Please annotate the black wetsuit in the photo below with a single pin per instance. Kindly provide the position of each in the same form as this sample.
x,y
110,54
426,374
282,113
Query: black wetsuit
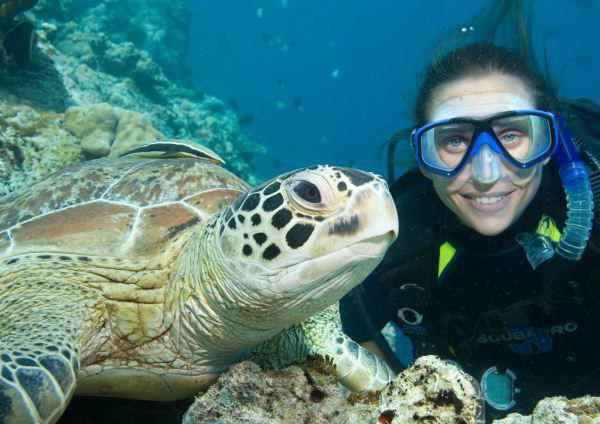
x,y
484,309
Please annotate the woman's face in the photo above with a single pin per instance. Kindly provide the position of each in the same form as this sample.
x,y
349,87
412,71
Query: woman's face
x,y
488,208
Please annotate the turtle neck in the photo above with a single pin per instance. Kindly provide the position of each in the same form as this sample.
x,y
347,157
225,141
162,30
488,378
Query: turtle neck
x,y
470,242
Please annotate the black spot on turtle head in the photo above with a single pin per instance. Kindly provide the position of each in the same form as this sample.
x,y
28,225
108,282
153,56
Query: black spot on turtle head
x,y
298,235
272,188
251,202
342,186
12,261
259,238
356,177
313,168
44,256
241,218
345,226
231,224
271,252
255,219
319,218
281,218
273,202
247,250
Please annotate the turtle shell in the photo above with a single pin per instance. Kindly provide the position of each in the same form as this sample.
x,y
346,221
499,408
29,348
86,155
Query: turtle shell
x,y
127,207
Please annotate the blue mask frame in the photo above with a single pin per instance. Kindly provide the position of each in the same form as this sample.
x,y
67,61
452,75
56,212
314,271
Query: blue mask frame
x,y
484,134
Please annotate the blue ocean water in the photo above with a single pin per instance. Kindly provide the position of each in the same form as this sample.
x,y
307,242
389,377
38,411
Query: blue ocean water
x,y
328,81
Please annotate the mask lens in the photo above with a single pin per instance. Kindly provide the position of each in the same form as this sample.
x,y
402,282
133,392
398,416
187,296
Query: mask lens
x,y
444,146
524,137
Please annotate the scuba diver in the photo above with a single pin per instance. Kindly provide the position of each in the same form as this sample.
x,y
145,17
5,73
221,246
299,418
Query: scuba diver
x,y
496,263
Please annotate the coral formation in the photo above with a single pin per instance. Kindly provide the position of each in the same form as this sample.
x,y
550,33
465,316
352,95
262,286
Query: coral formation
x,y
110,131
560,410
33,143
431,390
97,87
246,394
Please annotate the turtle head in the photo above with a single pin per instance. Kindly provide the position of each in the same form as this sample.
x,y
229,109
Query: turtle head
x,y
310,235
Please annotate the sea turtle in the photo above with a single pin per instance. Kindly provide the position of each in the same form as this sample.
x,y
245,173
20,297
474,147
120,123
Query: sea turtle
x,y
145,278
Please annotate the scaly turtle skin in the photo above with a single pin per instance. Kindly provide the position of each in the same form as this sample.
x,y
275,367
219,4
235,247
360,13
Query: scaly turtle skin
x,y
146,278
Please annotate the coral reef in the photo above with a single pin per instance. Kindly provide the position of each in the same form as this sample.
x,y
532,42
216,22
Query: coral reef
x,y
431,390
156,27
33,143
96,87
560,410
247,394
105,130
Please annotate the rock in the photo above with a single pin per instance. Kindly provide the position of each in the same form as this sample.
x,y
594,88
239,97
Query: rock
x,y
246,394
431,390
133,130
95,126
33,143
105,130
559,410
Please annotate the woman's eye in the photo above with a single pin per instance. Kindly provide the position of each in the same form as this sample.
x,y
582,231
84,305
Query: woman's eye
x,y
510,137
455,142
308,191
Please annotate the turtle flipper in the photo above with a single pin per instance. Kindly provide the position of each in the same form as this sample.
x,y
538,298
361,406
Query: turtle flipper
x,y
40,328
357,368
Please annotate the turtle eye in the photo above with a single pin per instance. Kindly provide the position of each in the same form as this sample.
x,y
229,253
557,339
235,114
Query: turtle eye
x,y
307,191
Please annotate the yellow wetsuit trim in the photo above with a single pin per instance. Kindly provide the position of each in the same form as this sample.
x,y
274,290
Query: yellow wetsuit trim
x,y
547,227
447,252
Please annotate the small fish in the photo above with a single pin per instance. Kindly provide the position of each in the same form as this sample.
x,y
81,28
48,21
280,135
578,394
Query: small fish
x,y
279,105
233,103
259,12
266,38
226,43
246,119
216,108
335,73
298,104
199,95
582,60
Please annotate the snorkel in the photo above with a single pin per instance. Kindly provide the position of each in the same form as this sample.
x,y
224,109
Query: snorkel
x,y
580,206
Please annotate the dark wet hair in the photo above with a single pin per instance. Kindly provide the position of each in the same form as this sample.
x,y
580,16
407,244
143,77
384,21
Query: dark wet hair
x,y
477,60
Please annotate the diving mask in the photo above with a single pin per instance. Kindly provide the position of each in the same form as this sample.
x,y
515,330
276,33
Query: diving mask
x,y
522,138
